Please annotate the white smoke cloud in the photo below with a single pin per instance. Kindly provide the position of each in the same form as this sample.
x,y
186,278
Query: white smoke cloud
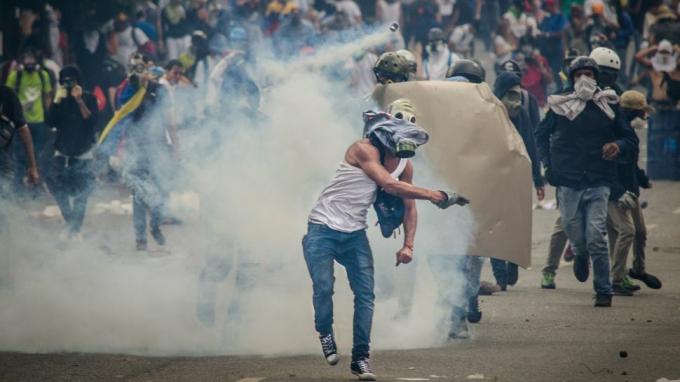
x,y
240,256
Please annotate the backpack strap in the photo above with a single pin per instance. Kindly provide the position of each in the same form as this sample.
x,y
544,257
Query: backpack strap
x,y
20,75
17,83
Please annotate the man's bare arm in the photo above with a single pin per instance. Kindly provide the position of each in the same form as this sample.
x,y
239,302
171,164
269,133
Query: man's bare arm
x,y
25,135
643,56
368,159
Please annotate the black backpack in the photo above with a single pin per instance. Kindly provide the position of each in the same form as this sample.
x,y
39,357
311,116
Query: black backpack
x,y
672,87
389,208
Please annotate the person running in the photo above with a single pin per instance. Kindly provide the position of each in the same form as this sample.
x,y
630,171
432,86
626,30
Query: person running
x,y
376,164
581,135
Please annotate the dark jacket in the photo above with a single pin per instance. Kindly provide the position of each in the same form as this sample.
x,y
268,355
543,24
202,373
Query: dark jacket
x,y
75,134
630,177
524,126
572,150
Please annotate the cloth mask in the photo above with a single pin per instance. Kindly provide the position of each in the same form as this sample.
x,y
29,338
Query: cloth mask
x,y
394,134
571,105
585,88
664,62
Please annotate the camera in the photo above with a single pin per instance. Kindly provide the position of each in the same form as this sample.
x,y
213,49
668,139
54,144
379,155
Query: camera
x,y
69,84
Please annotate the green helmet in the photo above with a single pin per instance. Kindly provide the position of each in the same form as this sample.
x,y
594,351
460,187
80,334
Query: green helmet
x,y
391,67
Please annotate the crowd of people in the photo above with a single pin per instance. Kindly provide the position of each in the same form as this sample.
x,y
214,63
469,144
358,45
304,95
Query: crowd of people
x,y
577,77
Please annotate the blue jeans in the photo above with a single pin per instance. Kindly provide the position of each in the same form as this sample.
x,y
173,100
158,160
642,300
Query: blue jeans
x,y
501,269
321,247
584,217
71,181
147,195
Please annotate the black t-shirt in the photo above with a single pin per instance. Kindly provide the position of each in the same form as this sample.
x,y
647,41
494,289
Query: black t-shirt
x,y
10,106
75,135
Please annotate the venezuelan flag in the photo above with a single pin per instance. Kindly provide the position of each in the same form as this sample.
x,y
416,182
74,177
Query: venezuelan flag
x,y
114,131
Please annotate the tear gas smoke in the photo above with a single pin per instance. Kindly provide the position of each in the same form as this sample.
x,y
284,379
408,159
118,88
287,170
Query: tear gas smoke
x,y
235,281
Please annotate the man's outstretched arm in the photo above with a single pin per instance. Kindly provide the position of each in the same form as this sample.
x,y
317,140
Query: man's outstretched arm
x,y
368,158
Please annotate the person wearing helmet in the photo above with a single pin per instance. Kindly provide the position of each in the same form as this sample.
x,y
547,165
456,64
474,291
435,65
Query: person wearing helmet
x,y
439,58
411,62
529,101
578,140
507,89
634,107
391,67
466,70
376,164
625,223
558,238
609,65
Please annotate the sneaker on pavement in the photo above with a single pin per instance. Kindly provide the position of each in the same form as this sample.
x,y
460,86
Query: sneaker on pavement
x,y
513,273
458,328
650,280
474,315
141,245
158,236
329,348
603,300
581,268
620,290
548,281
362,369
629,284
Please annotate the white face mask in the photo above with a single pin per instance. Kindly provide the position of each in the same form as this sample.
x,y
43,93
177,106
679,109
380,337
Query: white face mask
x,y
664,62
437,49
638,123
585,87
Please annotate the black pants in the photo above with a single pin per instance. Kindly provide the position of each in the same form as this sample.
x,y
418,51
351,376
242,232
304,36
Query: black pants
x,y
70,181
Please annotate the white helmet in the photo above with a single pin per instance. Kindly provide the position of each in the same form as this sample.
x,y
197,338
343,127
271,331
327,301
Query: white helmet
x,y
606,58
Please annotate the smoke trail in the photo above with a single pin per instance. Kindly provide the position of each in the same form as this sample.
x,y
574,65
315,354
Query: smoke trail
x,y
235,281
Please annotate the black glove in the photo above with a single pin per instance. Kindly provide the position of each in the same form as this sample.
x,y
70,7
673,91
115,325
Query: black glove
x,y
451,199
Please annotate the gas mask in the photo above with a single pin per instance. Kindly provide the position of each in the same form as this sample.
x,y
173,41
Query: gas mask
x,y
402,109
29,64
585,87
512,100
435,47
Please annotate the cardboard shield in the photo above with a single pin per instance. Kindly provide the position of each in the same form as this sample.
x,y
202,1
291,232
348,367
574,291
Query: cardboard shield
x,y
474,149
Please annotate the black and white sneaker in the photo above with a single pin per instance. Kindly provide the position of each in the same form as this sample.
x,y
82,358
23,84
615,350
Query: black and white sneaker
x,y
330,349
362,369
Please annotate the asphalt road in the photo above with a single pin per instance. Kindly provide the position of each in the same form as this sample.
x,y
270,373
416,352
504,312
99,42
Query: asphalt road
x,y
526,334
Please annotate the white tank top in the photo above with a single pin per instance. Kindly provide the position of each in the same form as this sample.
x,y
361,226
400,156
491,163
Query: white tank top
x,y
343,205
